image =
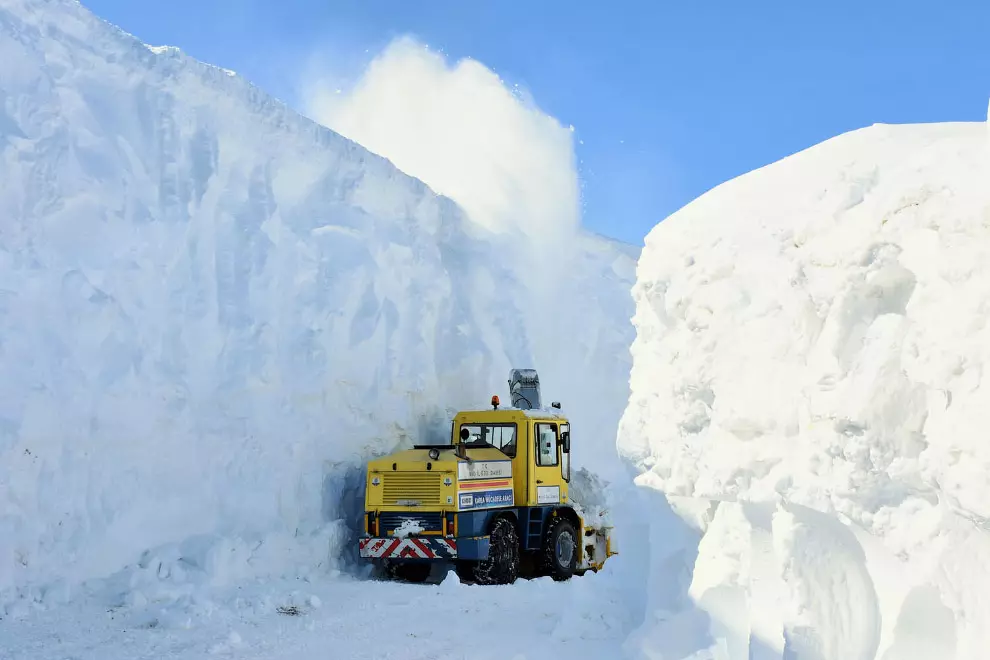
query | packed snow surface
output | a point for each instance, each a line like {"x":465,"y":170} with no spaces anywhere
{"x":344,"y":618}
{"x":213,"y":311}
{"x":807,"y":388}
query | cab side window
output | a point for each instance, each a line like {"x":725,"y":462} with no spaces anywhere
{"x":546,"y":445}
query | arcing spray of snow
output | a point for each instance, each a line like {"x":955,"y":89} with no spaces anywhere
{"x":460,"y":130}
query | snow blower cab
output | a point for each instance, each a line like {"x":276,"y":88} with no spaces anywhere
{"x":494,"y":500}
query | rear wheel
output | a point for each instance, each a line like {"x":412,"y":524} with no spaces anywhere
{"x":560,"y":549}
{"x":502,"y":564}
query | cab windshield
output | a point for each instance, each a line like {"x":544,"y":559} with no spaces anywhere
{"x":499,"y":436}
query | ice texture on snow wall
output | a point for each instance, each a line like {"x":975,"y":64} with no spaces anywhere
{"x":811,"y":344}
{"x":212,"y":309}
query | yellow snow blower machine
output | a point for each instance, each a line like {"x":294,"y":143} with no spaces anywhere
{"x":493,"y":501}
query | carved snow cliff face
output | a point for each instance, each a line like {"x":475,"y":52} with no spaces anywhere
{"x":811,"y":339}
{"x":213,"y":310}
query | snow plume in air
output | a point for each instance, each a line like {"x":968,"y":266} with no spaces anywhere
{"x":463,"y":132}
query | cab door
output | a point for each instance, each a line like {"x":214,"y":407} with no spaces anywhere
{"x":546,"y":487}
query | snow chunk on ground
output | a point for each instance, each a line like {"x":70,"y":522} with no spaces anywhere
{"x":811,"y":337}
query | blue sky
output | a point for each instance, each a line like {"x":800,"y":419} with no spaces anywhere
{"x":668,"y":99}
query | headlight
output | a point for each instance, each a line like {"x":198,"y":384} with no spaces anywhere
{"x":434,"y":453}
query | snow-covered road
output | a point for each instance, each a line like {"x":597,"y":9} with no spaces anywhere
{"x":339,"y":617}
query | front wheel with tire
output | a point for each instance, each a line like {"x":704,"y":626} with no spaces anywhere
{"x":560,"y":549}
{"x":502,"y":564}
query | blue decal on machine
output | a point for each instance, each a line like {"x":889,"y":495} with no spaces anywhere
{"x":485,"y":499}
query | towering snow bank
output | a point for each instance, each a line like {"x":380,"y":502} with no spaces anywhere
{"x":211,"y":309}
{"x":811,"y":343}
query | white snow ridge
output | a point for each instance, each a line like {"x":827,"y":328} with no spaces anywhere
{"x":810,"y":351}
{"x":213,"y":311}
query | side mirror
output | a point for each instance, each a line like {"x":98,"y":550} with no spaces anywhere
{"x":565,"y":439}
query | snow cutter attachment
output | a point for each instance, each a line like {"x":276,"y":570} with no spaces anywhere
{"x":597,"y":547}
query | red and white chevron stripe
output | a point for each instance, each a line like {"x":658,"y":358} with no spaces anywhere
{"x":417,"y":548}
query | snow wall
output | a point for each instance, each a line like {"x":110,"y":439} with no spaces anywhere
{"x":213,"y":311}
{"x":807,"y":390}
